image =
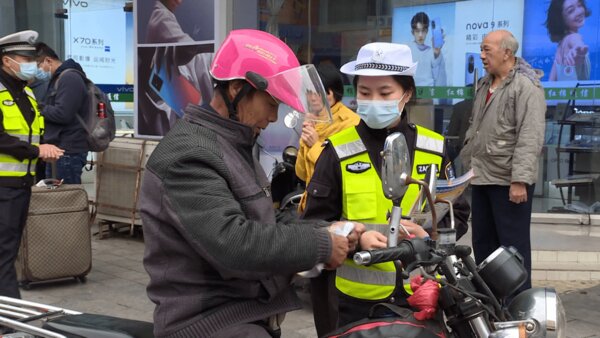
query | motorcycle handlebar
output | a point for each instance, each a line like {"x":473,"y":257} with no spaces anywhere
{"x":407,"y":252}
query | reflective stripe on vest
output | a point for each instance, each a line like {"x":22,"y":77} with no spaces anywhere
{"x":363,"y":201}
{"x":35,"y":139}
{"x":15,"y":125}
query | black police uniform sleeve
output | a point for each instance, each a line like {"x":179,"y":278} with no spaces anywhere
{"x":324,"y":191}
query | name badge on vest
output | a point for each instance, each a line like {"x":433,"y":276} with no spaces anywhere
{"x":8,"y":102}
{"x":422,"y":168}
{"x":358,"y":167}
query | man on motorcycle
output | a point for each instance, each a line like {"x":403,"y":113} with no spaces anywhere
{"x":346,"y":183}
{"x":219,"y":264}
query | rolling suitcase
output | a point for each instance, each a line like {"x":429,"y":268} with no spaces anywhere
{"x":56,"y":240}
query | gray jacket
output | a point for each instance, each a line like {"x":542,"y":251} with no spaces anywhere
{"x":214,"y":252}
{"x":506,"y":135}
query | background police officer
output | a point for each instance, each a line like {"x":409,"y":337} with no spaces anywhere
{"x":21,"y":127}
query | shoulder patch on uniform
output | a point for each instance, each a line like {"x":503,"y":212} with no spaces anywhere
{"x":358,"y":167}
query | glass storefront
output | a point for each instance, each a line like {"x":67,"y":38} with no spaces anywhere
{"x":332,"y":31}
{"x":445,"y":37}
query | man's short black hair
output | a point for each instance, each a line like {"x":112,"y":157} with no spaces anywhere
{"x":421,"y":18}
{"x":43,"y":50}
{"x":332,"y":80}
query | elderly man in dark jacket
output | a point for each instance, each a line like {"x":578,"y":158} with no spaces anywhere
{"x":63,"y":104}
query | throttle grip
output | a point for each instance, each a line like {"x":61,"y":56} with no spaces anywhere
{"x":407,"y":252}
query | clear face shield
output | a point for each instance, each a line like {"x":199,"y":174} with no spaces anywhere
{"x":301,"y":89}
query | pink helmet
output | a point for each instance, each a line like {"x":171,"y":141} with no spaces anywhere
{"x":268,"y":64}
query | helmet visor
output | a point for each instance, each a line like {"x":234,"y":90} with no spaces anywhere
{"x":302,"y":90}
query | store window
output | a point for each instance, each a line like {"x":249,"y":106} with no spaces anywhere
{"x":445,"y":38}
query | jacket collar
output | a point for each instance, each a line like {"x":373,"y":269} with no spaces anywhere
{"x":233,"y":131}
{"x":521,"y":67}
{"x":14,"y":85}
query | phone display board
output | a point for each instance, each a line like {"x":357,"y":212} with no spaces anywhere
{"x":456,"y":29}
{"x":174,"y":46}
{"x":102,"y":51}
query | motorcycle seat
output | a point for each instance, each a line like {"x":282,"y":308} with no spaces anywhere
{"x":99,"y":326}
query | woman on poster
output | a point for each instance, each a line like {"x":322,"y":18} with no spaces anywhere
{"x":565,"y":19}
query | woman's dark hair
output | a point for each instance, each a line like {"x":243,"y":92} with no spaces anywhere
{"x":332,"y":80}
{"x":555,"y":22}
{"x":43,"y":50}
{"x":406,"y":82}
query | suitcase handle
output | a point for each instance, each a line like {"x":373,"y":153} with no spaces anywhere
{"x":49,"y":183}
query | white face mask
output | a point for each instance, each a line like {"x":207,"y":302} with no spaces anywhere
{"x":380,"y":114}
{"x":27,"y":70}
{"x":42,"y":74}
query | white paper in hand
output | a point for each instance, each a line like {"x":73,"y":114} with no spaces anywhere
{"x":316,"y":270}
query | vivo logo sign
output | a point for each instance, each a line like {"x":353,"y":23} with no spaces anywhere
{"x":75,"y":3}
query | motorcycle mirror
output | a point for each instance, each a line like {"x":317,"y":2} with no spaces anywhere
{"x":291,"y":119}
{"x":396,"y":166}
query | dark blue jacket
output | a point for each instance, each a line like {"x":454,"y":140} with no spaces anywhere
{"x":60,"y":107}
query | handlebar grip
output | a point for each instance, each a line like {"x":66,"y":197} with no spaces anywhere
{"x":407,"y":252}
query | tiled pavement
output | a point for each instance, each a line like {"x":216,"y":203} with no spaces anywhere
{"x":566,"y":257}
{"x":116,"y":286}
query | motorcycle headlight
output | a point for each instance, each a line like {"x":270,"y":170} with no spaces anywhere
{"x":543,"y":305}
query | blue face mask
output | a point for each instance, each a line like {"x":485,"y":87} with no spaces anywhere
{"x":42,"y":74}
{"x":380,"y":114}
{"x":27,"y":70}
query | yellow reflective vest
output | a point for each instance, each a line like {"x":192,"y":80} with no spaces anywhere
{"x":15,"y":125}
{"x":363,"y":201}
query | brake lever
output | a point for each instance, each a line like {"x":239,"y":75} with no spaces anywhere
{"x":436,"y":259}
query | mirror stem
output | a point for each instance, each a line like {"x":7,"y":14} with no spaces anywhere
{"x":434,"y":232}
{"x":395,"y":225}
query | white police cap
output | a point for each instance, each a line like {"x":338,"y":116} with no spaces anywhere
{"x":380,"y":59}
{"x":20,"y":43}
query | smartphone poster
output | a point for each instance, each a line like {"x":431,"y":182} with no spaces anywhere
{"x":457,"y":29}
{"x":175,"y":42}
{"x":429,"y":32}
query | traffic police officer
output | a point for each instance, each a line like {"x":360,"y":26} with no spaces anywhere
{"x":21,"y":128}
{"x":347,"y":184}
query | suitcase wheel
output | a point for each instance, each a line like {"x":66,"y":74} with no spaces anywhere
{"x":25,"y":285}
{"x":82,"y":279}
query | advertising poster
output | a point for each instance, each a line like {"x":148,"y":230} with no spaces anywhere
{"x":429,"y":32}
{"x":561,"y":38}
{"x":102,"y":52}
{"x":175,"y":42}
{"x":445,"y":39}
{"x":99,"y":48}
{"x":475,"y":19}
